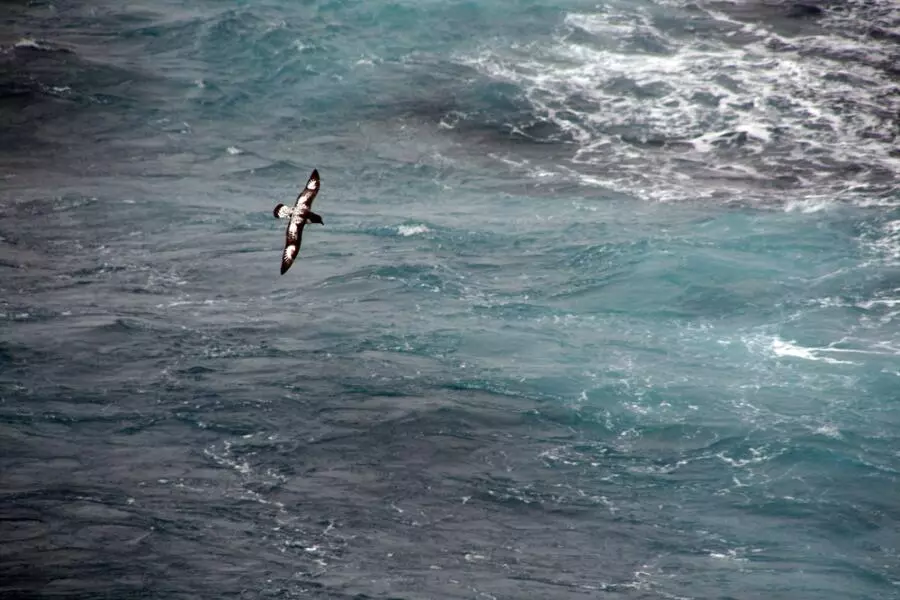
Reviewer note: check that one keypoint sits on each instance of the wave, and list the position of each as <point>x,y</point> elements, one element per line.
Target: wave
<point>743,111</point>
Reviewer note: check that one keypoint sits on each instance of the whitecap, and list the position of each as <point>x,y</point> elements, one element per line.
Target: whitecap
<point>788,348</point>
<point>810,204</point>
<point>410,230</point>
<point>828,430</point>
<point>757,106</point>
<point>28,42</point>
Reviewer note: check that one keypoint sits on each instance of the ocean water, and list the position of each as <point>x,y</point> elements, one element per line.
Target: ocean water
<point>606,303</point>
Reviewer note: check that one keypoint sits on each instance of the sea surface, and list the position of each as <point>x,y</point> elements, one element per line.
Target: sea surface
<point>606,303</point>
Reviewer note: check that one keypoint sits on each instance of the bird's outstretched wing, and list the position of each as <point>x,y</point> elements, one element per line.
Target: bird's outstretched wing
<point>308,193</point>
<point>291,244</point>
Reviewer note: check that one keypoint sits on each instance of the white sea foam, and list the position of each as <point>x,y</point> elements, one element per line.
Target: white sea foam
<point>774,346</point>
<point>828,430</point>
<point>28,42</point>
<point>890,302</point>
<point>790,349</point>
<point>811,204</point>
<point>771,107</point>
<point>225,459</point>
<point>733,554</point>
<point>410,230</point>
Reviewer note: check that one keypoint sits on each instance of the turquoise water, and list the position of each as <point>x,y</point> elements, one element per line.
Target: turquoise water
<point>605,304</point>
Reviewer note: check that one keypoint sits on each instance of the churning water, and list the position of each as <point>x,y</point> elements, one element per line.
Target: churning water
<point>606,303</point>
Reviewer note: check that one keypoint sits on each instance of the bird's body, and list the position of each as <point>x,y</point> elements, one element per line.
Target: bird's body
<point>298,217</point>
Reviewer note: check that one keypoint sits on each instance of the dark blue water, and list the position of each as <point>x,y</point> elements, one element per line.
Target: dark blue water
<point>606,303</point>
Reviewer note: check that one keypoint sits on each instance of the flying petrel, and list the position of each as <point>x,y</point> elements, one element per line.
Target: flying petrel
<point>298,217</point>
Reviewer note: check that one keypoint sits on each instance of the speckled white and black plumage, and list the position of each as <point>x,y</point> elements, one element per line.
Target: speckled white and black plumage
<point>298,217</point>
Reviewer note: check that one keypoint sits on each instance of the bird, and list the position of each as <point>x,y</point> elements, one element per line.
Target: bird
<point>298,217</point>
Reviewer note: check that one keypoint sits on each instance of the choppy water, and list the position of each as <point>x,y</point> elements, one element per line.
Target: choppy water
<point>606,303</point>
